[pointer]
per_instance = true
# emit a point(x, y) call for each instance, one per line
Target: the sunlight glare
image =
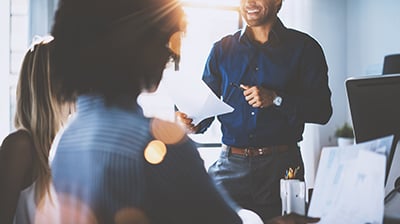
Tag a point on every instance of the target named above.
point(212, 2)
point(72, 210)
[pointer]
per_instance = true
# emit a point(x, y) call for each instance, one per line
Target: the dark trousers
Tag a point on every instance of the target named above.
point(254, 182)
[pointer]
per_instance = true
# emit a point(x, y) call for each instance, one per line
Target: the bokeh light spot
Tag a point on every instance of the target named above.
point(168, 132)
point(155, 152)
point(131, 216)
point(65, 208)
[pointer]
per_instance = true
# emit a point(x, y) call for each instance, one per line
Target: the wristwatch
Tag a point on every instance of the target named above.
point(277, 101)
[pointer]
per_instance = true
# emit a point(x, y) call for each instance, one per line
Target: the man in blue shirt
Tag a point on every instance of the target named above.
point(276, 79)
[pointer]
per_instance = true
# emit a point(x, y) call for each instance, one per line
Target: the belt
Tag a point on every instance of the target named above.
point(255, 151)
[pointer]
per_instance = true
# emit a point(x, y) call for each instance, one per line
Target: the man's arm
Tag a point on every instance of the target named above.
point(310, 100)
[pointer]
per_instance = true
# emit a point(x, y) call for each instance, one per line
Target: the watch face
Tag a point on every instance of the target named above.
point(277, 101)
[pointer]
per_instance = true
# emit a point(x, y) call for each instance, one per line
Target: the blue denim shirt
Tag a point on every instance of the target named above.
point(291, 63)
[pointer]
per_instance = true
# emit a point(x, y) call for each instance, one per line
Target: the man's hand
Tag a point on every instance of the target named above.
point(258, 96)
point(186, 122)
point(292, 218)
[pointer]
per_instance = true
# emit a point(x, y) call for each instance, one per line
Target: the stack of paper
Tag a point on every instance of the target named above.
point(349, 187)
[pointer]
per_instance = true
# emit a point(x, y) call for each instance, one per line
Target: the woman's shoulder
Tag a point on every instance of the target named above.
point(17, 153)
point(18, 142)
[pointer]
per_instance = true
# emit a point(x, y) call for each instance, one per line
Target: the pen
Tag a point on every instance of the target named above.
point(291, 173)
point(236, 86)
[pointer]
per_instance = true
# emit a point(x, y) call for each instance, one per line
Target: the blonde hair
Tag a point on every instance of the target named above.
point(38, 110)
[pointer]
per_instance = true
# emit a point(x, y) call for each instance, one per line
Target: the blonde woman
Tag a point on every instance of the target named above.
point(24, 155)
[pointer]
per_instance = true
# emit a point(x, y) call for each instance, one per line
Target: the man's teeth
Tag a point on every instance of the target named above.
point(253, 11)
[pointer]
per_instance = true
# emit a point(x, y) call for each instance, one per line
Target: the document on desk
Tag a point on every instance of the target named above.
point(195, 98)
point(349, 186)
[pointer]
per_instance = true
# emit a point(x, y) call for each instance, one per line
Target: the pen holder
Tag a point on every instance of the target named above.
point(293, 196)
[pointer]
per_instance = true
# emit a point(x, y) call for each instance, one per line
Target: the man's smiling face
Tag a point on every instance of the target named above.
point(259, 12)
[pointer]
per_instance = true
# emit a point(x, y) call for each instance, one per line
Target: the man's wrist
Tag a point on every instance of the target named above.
point(277, 100)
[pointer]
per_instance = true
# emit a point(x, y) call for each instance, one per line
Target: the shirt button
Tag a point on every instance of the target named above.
point(251, 136)
point(256, 68)
point(252, 113)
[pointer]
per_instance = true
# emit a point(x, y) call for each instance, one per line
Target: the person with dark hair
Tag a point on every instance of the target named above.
point(113, 165)
point(276, 79)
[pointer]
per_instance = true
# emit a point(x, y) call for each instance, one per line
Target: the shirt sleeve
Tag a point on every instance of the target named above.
point(185, 193)
point(211, 74)
point(310, 101)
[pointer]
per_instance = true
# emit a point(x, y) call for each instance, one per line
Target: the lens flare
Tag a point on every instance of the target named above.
point(167, 132)
point(131, 216)
point(65, 208)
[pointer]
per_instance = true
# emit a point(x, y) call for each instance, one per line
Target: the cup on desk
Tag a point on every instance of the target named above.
point(293, 196)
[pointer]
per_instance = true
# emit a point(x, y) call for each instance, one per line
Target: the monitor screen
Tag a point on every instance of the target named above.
point(375, 108)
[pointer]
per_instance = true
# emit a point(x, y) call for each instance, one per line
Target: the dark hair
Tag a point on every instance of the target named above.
point(113, 48)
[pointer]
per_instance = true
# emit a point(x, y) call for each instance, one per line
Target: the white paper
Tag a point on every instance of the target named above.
point(194, 98)
point(349, 187)
point(157, 104)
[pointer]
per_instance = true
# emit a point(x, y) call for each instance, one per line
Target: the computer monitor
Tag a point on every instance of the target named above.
point(391, 64)
point(375, 108)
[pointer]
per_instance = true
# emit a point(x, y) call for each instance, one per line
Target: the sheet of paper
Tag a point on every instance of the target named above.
point(157, 104)
point(349, 187)
point(194, 98)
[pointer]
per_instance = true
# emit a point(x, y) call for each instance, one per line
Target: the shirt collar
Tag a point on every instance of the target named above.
point(276, 32)
point(87, 102)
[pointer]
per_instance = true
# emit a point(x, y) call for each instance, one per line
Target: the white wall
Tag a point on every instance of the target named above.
point(373, 32)
point(4, 67)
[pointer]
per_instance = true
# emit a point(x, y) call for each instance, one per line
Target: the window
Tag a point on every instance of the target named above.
point(14, 15)
point(208, 21)
point(20, 21)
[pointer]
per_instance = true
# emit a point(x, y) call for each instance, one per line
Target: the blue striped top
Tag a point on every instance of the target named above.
point(100, 171)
